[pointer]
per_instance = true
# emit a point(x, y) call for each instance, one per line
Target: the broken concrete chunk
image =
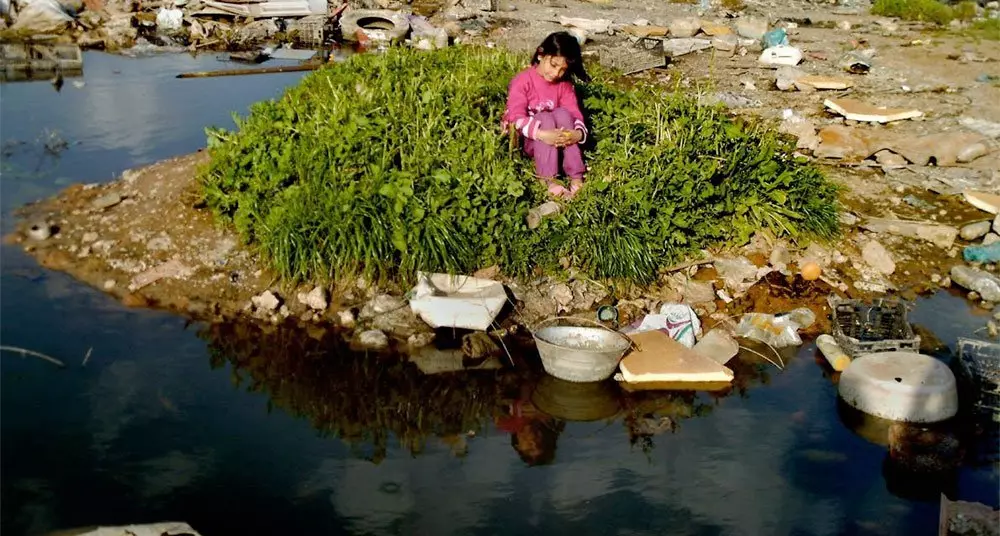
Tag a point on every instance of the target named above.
point(944, 149)
point(803, 130)
point(876, 256)
point(860, 111)
point(266, 301)
point(725, 42)
point(786, 76)
point(170, 269)
point(887, 158)
point(990, 239)
point(646, 31)
point(975, 230)
point(839, 141)
point(685, 27)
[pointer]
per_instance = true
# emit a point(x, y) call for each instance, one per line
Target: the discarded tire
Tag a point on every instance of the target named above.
point(379, 24)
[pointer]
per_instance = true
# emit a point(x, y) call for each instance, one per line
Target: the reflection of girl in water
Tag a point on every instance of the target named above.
point(533, 434)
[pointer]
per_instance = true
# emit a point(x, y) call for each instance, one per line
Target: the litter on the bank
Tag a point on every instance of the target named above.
point(778, 331)
point(855, 63)
point(579, 353)
point(718, 345)
point(832, 352)
point(982, 254)
point(781, 55)
point(900, 386)
point(983, 201)
point(984, 283)
point(457, 301)
point(263, 10)
point(776, 37)
point(676, 320)
point(881, 326)
point(659, 358)
point(823, 82)
point(979, 362)
point(685, 45)
point(860, 111)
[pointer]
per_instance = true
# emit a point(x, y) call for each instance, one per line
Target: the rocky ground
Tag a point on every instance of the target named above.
point(145, 239)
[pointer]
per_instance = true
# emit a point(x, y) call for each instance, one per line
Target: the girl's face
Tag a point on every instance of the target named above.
point(552, 68)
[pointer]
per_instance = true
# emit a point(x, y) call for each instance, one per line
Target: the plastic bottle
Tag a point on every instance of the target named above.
point(777, 331)
point(987, 285)
point(832, 352)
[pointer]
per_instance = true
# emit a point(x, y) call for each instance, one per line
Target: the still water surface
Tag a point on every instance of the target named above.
point(241, 432)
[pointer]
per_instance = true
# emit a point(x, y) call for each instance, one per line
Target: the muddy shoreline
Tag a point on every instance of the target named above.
point(145, 240)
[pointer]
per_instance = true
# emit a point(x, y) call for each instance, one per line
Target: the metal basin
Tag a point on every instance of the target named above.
point(580, 354)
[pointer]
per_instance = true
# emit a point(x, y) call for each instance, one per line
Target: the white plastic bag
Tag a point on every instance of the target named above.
point(781, 55)
point(168, 21)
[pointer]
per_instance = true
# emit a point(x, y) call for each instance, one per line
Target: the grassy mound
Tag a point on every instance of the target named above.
point(924, 10)
point(390, 163)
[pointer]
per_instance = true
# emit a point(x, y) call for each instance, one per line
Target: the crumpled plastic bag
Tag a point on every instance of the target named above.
point(776, 331)
point(675, 319)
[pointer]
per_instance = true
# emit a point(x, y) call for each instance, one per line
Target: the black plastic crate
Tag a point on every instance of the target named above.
point(881, 326)
point(979, 362)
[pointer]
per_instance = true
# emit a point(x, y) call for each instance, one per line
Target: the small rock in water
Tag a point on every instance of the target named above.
point(109, 284)
point(266, 301)
point(419, 340)
point(972, 296)
point(382, 304)
point(935, 278)
point(284, 311)
point(946, 282)
point(373, 339)
point(991, 239)
point(976, 230)
point(876, 256)
point(315, 299)
point(106, 201)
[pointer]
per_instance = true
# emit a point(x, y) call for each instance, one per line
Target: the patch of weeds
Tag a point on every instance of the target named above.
point(389, 163)
point(965, 11)
point(683, 1)
point(919, 10)
point(985, 29)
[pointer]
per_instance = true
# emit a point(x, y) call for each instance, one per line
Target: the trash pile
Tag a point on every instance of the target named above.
point(119, 25)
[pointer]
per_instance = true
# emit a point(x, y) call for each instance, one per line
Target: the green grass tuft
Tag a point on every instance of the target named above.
point(390, 163)
point(919, 10)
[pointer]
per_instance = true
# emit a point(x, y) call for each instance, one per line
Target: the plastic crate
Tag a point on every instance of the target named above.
point(311, 30)
point(980, 363)
point(881, 326)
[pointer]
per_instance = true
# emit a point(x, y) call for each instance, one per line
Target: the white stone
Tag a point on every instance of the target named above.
point(685, 27)
point(876, 256)
point(975, 230)
point(991, 238)
point(900, 386)
point(316, 299)
point(373, 339)
point(266, 301)
point(109, 284)
point(346, 318)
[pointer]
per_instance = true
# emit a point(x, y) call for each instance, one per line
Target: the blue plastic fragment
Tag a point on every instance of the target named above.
point(990, 253)
point(775, 37)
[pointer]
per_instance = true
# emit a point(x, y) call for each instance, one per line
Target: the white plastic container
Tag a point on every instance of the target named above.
point(834, 355)
point(900, 386)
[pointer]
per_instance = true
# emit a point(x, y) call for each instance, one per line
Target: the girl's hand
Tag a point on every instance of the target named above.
point(570, 137)
point(550, 137)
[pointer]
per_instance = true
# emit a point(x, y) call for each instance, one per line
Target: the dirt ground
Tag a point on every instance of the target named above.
point(119, 237)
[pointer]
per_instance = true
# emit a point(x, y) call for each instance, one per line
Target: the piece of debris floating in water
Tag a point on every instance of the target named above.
point(900, 386)
point(659, 358)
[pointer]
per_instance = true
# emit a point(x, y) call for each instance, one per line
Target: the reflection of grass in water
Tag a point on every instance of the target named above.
point(366, 400)
point(358, 398)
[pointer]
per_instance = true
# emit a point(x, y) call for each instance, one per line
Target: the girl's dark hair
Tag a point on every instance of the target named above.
point(565, 45)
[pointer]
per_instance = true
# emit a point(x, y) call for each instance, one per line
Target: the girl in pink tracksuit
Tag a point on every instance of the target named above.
point(542, 107)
